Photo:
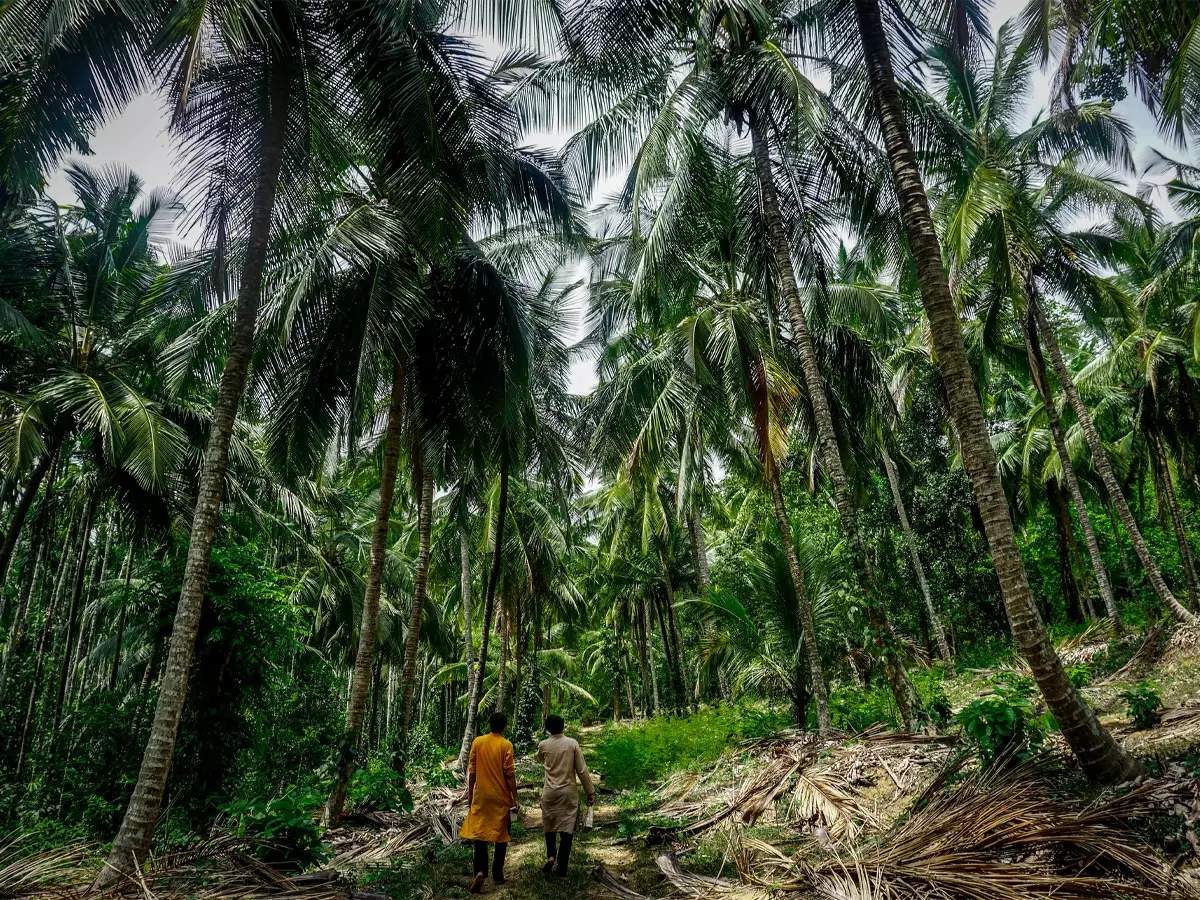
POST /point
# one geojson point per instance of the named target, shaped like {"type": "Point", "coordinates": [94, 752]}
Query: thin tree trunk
{"type": "Point", "coordinates": [1120, 545]}
{"type": "Point", "coordinates": [489, 607]}
{"type": "Point", "coordinates": [372, 740]}
{"type": "Point", "coordinates": [1099, 755]}
{"type": "Point", "coordinates": [643, 666]}
{"type": "Point", "coordinates": [464, 553]}
{"type": "Point", "coordinates": [902, 513]}
{"type": "Point", "coordinates": [502, 675]}
{"type": "Point", "coordinates": [16, 634]}
{"type": "Point", "coordinates": [73, 612]}
{"type": "Point", "coordinates": [649, 637]}
{"type": "Point", "coordinates": [808, 628]}
{"type": "Point", "coordinates": [21, 512]}
{"type": "Point", "coordinates": [672, 623]}
{"type": "Point", "coordinates": [369, 627]}
{"type": "Point", "coordinates": [38, 667]}
{"type": "Point", "coordinates": [699, 549]}
{"type": "Point", "coordinates": [885, 639]}
{"type": "Point", "coordinates": [126, 577]}
{"type": "Point", "coordinates": [1185, 549]}
{"type": "Point", "coordinates": [412, 640]}
{"type": "Point", "coordinates": [1063, 538]}
{"type": "Point", "coordinates": [1041, 382]}
{"type": "Point", "coordinates": [1103, 466]}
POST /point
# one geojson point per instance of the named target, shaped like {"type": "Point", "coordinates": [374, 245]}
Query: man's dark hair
{"type": "Point", "coordinates": [498, 722]}
{"type": "Point", "coordinates": [555, 724]}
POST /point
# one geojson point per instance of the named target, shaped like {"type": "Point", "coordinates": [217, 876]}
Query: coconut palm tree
{"type": "Point", "coordinates": [1099, 755]}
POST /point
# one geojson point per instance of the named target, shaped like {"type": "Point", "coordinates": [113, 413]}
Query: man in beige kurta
{"type": "Point", "coordinates": [560, 796]}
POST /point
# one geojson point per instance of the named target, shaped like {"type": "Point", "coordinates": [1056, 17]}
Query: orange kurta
{"type": "Point", "coordinates": [491, 761]}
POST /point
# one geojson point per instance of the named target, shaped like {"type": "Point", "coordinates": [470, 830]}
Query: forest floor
{"type": "Point", "coordinates": [855, 816]}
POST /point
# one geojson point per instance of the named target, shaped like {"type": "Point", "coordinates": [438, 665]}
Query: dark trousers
{"type": "Point", "coordinates": [481, 860]}
{"type": "Point", "coordinates": [563, 852]}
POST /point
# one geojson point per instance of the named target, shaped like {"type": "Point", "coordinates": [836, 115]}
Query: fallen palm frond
{"type": "Point", "coordinates": [822, 800]}
{"type": "Point", "coordinates": [704, 886]}
{"type": "Point", "coordinates": [438, 815]}
{"type": "Point", "coordinates": [752, 799]}
{"type": "Point", "coordinates": [606, 878]}
{"type": "Point", "coordinates": [1090, 642]}
{"type": "Point", "coordinates": [221, 869]}
{"type": "Point", "coordinates": [1148, 652]}
{"type": "Point", "coordinates": [25, 871]}
{"type": "Point", "coordinates": [999, 835]}
{"type": "Point", "coordinates": [1185, 641]}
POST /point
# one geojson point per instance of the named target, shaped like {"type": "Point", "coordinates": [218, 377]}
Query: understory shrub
{"type": "Point", "coordinates": [378, 786]}
{"type": "Point", "coordinates": [1142, 703]}
{"type": "Point", "coordinates": [632, 756]}
{"type": "Point", "coordinates": [1003, 724]}
{"type": "Point", "coordinates": [856, 709]}
{"type": "Point", "coordinates": [282, 831]}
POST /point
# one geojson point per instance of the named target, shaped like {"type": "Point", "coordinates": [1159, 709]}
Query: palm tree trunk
{"type": "Point", "coordinates": [808, 628]}
{"type": "Point", "coordinates": [671, 622]}
{"type": "Point", "coordinates": [16, 634]}
{"type": "Point", "coordinates": [126, 576]}
{"type": "Point", "coordinates": [505, 647]}
{"type": "Point", "coordinates": [902, 513]}
{"type": "Point", "coordinates": [1099, 755]}
{"type": "Point", "coordinates": [356, 708]}
{"type": "Point", "coordinates": [412, 640]}
{"type": "Point", "coordinates": [489, 607]}
{"type": "Point", "coordinates": [699, 549]}
{"type": "Point", "coordinates": [85, 541]}
{"type": "Point", "coordinates": [38, 667]}
{"type": "Point", "coordinates": [464, 555]}
{"type": "Point", "coordinates": [643, 666]}
{"type": "Point", "coordinates": [137, 828]}
{"type": "Point", "coordinates": [648, 636]}
{"type": "Point", "coordinates": [831, 459]}
{"type": "Point", "coordinates": [1103, 466]}
{"type": "Point", "coordinates": [1063, 538]}
{"type": "Point", "coordinates": [21, 512]}
{"type": "Point", "coordinates": [1168, 490]}
{"type": "Point", "coordinates": [1041, 382]}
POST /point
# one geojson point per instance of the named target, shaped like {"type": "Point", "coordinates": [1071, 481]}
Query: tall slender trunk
{"type": "Point", "coordinates": [1063, 538]}
{"type": "Point", "coordinates": [464, 555]}
{"type": "Point", "coordinates": [364, 658]}
{"type": "Point", "coordinates": [38, 667]}
{"type": "Point", "coordinates": [21, 511]}
{"type": "Point", "coordinates": [137, 828]}
{"type": "Point", "coordinates": [16, 634]}
{"type": "Point", "coordinates": [1116, 530]}
{"type": "Point", "coordinates": [675, 654]}
{"type": "Point", "coordinates": [643, 666]}
{"type": "Point", "coordinates": [667, 653]}
{"type": "Point", "coordinates": [1041, 382]}
{"type": "Point", "coordinates": [372, 741]}
{"type": "Point", "coordinates": [648, 636]}
{"type": "Point", "coordinates": [902, 513]}
{"type": "Point", "coordinates": [1103, 466]}
{"type": "Point", "coordinates": [505, 649]}
{"type": "Point", "coordinates": [126, 577]}
{"type": "Point", "coordinates": [808, 628]}
{"type": "Point", "coordinates": [885, 639]}
{"type": "Point", "coordinates": [412, 640]}
{"type": "Point", "coordinates": [699, 548]}
{"type": "Point", "coordinates": [489, 607]}
{"type": "Point", "coordinates": [1099, 755]}
{"type": "Point", "coordinates": [1185, 548]}
{"type": "Point", "coordinates": [85, 542]}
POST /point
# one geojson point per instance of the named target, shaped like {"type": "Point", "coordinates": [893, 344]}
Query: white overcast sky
{"type": "Point", "coordinates": [138, 139]}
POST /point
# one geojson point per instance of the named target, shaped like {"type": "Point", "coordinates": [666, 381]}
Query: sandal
{"type": "Point", "coordinates": [549, 866]}
{"type": "Point", "coordinates": [477, 885]}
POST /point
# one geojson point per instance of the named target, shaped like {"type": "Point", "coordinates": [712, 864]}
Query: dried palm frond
{"type": "Point", "coordinates": [1147, 654]}
{"type": "Point", "coordinates": [704, 886]}
{"type": "Point", "coordinates": [438, 815]}
{"type": "Point", "coordinates": [823, 799]}
{"type": "Point", "coordinates": [1000, 836]}
{"type": "Point", "coordinates": [1185, 641]}
{"type": "Point", "coordinates": [605, 877]}
{"type": "Point", "coordinates": [859, 885]}
{"type": "Point", "coordinates": [24, 870]}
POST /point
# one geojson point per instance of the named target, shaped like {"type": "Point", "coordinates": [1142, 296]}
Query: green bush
{"type": "Point", "coordinates": [1003, 725]}
{"type": "Point", "coordinates": [633, 756]}
{"type": "Point", "coordinates": [855, 709]}
{"type": "Point", "coordinates": [1142, 703]}
{"type": "Point", "coordinates": [378, 786]}
{"type": "Point", "coordinates": [930, 690]}
{"type": "Point", "coordinates": [1080, 675]}
{"type": "Point", "coordinates": [282, 831]}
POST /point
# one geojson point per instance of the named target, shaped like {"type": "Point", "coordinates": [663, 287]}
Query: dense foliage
{"type": "Point", "coordinates": [289, 507]}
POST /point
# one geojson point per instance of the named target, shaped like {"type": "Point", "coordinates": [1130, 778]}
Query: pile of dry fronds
{"type": "Point", "coordinates": [439, 814]}
{"type": "Point", "coordinates": [218, 869]}
{"type": "Point", "coordinates": [25, 871]}
{"type": "Point", "coordinates": [1087, 645]}
{"type": "Point", "coordinates": [997, 835]}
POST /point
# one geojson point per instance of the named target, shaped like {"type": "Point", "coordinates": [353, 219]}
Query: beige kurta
{"type": "Point", "coordinates": [560, 797]}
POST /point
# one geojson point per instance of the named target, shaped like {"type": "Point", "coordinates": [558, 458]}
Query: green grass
{"type": "Point", "coordinates": [635, 756]}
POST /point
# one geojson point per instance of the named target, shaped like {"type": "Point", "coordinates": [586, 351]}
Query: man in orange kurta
{"type": "Point", "coordinates": [492, 798]}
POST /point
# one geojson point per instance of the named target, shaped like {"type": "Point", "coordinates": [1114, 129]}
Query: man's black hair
{"type": "Point", "coordinates": [555, 724]}
{"type": "Point", "coordinates": [498, 722]}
